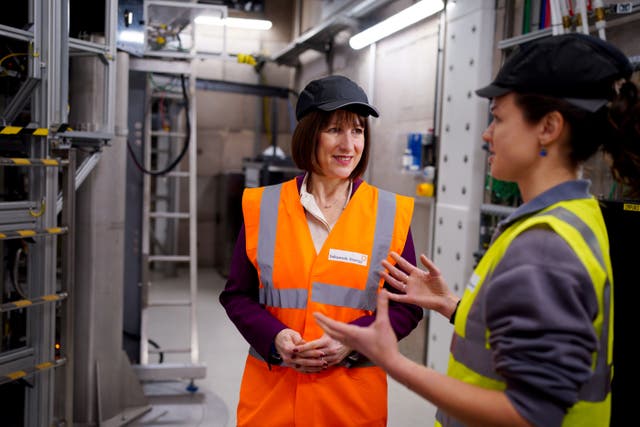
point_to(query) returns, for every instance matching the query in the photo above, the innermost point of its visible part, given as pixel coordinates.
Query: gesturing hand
(424, 288)
(377, 341)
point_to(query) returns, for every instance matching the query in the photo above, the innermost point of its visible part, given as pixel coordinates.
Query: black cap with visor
(578, 68)
(333, 93)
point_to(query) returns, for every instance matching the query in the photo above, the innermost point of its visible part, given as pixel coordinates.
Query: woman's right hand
(287, 342)
(427, 289)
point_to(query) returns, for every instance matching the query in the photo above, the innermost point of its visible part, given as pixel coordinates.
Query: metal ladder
(169, 124)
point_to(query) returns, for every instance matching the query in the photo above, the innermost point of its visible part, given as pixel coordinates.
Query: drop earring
(543, 152)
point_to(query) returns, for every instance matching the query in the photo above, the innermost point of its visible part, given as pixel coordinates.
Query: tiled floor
(223, 351)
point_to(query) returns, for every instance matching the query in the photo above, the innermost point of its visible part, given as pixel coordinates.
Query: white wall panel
(461, 162)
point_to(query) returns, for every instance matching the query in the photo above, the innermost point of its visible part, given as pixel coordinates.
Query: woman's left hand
(324, 348)
(377, 341)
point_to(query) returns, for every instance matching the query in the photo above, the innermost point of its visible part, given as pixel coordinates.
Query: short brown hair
(304, 142)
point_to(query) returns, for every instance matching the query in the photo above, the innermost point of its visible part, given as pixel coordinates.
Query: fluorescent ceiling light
(400, 20)
(247, 24)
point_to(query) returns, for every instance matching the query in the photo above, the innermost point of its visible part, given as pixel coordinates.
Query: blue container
(414, 144)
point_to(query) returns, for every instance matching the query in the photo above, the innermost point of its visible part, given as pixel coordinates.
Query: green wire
(526, 17)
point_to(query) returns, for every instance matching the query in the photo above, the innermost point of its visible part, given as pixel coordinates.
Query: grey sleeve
(539, 311)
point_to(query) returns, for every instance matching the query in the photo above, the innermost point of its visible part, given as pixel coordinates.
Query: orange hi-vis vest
(341, 281)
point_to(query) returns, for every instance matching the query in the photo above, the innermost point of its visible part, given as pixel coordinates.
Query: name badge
(348, 256)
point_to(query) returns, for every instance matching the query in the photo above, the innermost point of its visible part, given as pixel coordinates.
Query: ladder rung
(178, 215)
(169, 371)
(168, 134)
(177, 175)
(169, 304)
(169, 350)
(170, 258)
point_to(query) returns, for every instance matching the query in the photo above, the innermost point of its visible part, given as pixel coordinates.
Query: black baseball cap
(579, 68)
(331, 93)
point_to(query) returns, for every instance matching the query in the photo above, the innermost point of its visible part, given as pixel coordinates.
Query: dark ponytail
(615, 128)
(624, 143)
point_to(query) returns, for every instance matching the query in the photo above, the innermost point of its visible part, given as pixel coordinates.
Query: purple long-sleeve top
(259, 327)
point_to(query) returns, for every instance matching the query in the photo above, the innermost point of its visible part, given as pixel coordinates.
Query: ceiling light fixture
(247, 24)
(400, 20)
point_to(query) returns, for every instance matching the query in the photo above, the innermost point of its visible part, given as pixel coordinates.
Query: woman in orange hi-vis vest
(315, 244)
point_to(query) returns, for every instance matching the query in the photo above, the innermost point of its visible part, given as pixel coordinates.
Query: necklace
(328, 204)
(335, 202)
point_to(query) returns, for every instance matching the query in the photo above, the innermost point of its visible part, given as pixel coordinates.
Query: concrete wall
(231, 127)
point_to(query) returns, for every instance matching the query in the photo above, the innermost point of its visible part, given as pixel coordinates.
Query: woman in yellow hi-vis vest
(533, 331)
(315, 244)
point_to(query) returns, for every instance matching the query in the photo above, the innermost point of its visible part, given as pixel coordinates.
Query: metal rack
(43, 357)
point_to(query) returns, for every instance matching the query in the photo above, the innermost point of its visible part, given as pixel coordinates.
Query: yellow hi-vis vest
(341, 281)
(579, 222)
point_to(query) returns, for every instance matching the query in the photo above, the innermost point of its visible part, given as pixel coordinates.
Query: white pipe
(556, 17)
(601, 23)
(566, 17)
(584, 16)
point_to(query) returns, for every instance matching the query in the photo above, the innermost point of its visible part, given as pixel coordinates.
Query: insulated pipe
(566, 15)
(601, 24)
(584, 17)
(556, 17)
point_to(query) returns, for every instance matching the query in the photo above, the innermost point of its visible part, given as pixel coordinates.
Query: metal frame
(185, 15)
(51, 399)
(145, 370)
(468, 53)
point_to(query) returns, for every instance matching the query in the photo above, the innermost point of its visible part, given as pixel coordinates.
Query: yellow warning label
(17, 374)
(44, 365)
(10, 130)
(631, 207)
(21, 303)
(20, 161)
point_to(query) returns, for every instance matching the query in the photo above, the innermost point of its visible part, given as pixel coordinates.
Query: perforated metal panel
(461, 163)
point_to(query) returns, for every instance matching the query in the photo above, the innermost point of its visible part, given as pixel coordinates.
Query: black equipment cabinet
(623, 225)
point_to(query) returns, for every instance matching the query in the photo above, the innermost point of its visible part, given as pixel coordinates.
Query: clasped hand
(309, 357)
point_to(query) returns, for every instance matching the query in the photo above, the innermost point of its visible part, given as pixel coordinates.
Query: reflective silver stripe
(322, 293)
(586, 232)
(472, 353)
(254, 353)
(385, 220)
(447, 420)
(267, 239)
(326, 293)
(600, 384)
(283, 298)
(341, 296)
